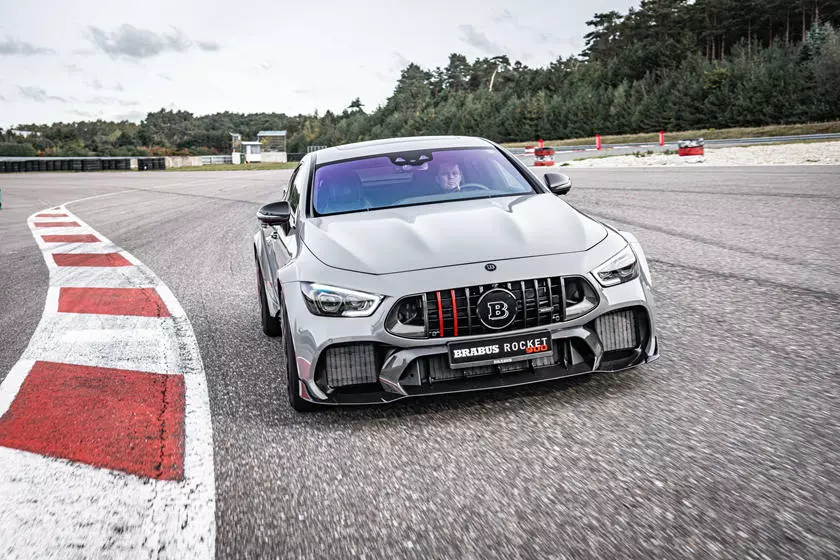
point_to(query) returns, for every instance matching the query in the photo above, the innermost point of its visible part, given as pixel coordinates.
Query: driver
(448, 176)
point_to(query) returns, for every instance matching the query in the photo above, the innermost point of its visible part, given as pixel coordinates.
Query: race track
(727, 447)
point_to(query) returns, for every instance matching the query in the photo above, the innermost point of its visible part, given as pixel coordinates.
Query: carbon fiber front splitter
(628, 359)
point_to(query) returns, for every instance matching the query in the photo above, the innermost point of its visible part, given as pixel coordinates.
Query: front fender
(268, 272)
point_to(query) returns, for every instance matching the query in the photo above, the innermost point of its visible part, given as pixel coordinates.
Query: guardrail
(216, 160)
(40, 164)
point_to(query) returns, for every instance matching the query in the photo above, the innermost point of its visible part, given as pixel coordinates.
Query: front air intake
(617, 330)
(350, 364)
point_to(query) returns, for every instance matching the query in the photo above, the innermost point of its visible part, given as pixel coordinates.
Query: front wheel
(292, 380)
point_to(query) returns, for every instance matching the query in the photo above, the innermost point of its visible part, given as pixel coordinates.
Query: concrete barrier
(182, 161)
(274, 157)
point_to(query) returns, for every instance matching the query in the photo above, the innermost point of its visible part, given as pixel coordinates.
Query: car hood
(453, 233)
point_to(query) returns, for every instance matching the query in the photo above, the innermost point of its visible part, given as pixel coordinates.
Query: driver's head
(448, 176)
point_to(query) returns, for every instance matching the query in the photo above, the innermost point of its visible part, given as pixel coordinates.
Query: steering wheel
(474, 186)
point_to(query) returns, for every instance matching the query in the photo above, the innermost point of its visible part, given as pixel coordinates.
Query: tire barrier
(144, 164)
(544, 157)
(41, 164)
(691, 147)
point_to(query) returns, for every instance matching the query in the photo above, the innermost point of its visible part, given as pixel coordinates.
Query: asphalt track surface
(727, 447)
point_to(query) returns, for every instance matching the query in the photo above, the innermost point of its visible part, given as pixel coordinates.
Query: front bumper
(390, 368)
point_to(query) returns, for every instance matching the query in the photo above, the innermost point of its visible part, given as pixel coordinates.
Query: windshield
(406, 178)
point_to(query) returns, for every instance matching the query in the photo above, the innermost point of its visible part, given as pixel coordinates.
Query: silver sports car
(418, 266)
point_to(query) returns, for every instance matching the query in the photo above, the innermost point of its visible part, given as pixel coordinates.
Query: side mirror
(557, 183)
(274, 214)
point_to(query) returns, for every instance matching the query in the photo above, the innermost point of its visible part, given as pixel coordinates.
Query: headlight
(338, 302)
(622, 267)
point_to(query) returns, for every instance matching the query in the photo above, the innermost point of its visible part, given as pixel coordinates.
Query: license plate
(500, 350)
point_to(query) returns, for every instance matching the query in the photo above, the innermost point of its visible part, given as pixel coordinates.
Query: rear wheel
(292, 379)
(270, 325)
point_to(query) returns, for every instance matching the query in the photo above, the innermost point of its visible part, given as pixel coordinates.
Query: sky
(66, 60)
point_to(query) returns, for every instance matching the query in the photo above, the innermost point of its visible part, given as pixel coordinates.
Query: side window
(296, 184)
(288, 188)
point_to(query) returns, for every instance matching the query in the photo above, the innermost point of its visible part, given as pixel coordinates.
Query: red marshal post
(544, 157)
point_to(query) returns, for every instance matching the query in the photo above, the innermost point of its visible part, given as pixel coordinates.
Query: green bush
(17, 149)
(72, 151)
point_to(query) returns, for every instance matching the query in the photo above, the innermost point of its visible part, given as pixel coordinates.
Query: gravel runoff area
(724, 448)
(816, 153)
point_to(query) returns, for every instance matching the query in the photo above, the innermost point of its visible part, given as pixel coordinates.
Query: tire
(292, 379)
(270, 325)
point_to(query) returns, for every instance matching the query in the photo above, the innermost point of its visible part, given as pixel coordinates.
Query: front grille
(350, 364)
(617, 330)
(539, 302)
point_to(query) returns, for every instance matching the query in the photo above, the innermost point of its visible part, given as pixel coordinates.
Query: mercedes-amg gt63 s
(427, 265)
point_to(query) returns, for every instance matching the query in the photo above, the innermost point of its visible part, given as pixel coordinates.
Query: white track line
(58, 508)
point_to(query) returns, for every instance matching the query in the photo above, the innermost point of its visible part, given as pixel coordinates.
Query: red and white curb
(105, 437)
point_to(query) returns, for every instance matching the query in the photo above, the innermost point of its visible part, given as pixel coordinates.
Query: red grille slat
(440, 313)
(454, 311)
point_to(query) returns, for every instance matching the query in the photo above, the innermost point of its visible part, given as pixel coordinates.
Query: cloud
(131, 116)
(545, 38)
(133, 42)
(106, 100)
(38, 95)
(539, 36)
(73, 69)
(479, 40)
(85, 114)
(208, 46)
(506, 17)
(164, 77)
(98, 86)
(402, 60)
(21, 48)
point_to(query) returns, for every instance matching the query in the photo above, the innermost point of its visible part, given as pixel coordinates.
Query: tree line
(671, 64)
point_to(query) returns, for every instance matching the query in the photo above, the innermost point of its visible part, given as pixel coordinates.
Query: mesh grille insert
(617, 330)
(350, 364)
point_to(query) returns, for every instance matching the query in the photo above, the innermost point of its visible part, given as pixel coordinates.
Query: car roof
(389, 145)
